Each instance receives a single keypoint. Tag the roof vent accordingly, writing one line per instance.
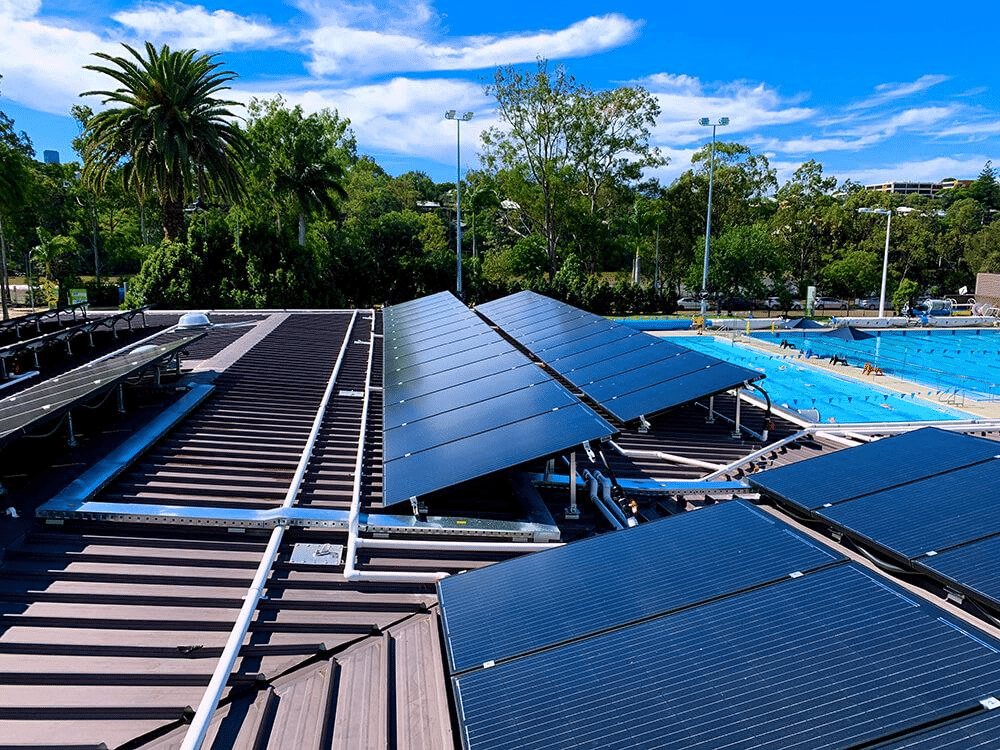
(193, 320)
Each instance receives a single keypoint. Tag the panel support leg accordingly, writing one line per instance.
(737, 432)
(572, 511)
(70, 434)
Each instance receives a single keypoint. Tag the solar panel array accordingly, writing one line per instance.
(927, 498)
(686, 652)
(460, 402)
(55, 396)
(628, 372)
(579, 590)
(882, 464)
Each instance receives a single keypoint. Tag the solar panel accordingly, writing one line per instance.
(980, 731)
(831, 659)
(628, 372)
(536, 601)
(973, 566)
(460, 402)
(872, 467)
(928, 515)
(55, 396)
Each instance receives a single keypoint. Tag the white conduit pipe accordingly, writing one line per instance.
(195, 735)
(672, 458)
(438, 546)
(354, 541)
(755, 455)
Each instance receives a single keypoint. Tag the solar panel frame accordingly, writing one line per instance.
(478, 455)
(833, 659)
(980, 731)
(891, 461)
(538, 601)
(914, 519)
(55, 396)
(970, 567)
(559, 334)
(462, 403)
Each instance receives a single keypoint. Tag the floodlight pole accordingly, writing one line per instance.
(708, 221)
(885, 255)
(459, 119)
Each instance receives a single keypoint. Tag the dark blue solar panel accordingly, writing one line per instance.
(461, 402)
(832, 659)
(536, 601)
(456, 422)
(972, 566)
(488, 448)
(714, 379)
(588, 349)
(465, 393)
(980, 731)
(928, 515)
(876, 466)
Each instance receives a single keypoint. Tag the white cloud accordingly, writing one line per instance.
(403, 116)
(19, 9)
(928, 170)
(43, 65)
(971, 130)
(194, 27)
(886, 92)
(684, 100)
(338, 49)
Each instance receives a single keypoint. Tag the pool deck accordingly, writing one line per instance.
(975, 409)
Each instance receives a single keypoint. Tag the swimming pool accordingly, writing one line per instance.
(793, 384)
(962, 361)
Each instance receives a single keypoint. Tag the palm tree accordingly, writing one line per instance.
(299, 157)
(171, 136)
(312, 182)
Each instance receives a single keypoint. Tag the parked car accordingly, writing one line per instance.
(829, 303)
(773, 303)
(738, 304)
(689, 303)
(868, 303)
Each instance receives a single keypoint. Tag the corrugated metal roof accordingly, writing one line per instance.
(110, 632)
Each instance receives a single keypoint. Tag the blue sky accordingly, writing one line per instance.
(873, 91)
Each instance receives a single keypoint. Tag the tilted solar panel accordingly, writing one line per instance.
(972, 567)
(608, 360)
(831, 659)
(55, 396)
(538, 601)
(928, 515)
(879, 465)
(460, 402)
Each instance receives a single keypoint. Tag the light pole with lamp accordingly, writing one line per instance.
(708, 221)
(459, 119)
(885, 258)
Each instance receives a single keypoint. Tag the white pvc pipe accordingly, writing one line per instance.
(195, 735)
(459, 546)
(672, 458)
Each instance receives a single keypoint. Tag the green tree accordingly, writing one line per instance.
(853, 274)
(15, 170)
(171, 136)
(743, 260)
(299, 158)
(565, 154)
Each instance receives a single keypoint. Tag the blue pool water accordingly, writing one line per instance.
(957, 360)
(795, 385)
